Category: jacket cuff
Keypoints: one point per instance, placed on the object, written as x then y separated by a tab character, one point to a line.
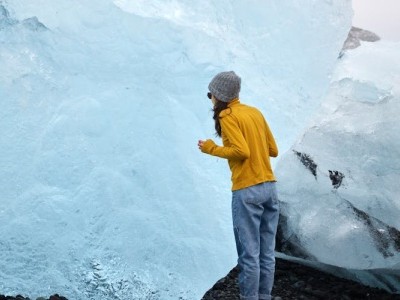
208	146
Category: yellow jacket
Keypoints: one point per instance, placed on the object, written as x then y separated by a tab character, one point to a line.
247	144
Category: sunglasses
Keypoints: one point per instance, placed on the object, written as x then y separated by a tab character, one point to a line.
209	95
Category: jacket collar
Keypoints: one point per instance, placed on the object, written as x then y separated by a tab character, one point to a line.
234	102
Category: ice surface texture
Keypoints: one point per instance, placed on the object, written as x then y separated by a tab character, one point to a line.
347	213
104	194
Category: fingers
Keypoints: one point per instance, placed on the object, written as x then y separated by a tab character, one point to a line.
200	144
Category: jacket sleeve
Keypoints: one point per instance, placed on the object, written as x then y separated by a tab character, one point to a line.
272	147
238	148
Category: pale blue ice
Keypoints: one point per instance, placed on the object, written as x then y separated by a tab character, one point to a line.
103	192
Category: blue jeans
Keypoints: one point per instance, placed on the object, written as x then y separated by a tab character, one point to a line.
255	214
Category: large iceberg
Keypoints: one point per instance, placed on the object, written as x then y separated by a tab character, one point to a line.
339	184
103	193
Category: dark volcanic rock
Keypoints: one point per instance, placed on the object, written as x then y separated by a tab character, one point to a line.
308	162
19	297
356	35
336	177
296	281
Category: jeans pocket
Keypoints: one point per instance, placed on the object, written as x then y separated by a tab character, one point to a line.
253	195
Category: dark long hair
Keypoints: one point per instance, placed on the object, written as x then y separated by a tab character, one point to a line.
218	107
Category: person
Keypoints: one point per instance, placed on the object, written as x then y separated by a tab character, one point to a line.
248	145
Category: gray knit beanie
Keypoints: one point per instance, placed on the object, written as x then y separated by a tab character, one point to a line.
225	86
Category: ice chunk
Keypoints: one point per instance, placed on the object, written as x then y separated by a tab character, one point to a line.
347	214
101	176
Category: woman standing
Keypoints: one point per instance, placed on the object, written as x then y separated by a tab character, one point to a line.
247	145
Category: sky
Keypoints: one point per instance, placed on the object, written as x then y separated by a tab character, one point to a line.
379	16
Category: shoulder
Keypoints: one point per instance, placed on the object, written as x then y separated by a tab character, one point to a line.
251	110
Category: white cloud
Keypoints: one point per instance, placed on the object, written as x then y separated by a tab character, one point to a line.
379	16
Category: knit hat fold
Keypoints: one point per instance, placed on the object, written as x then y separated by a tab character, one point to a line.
225	86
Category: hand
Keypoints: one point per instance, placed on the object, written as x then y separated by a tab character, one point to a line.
200	144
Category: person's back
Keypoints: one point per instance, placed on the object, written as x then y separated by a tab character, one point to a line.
259	143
